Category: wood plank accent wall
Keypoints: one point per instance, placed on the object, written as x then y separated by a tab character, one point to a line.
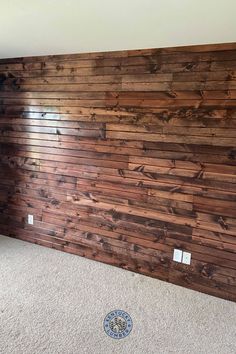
123	156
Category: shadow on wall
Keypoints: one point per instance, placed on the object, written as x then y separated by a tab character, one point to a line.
9	181
15	169
12	184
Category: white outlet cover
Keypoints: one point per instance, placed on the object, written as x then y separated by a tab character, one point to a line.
30	219
186	258
177	255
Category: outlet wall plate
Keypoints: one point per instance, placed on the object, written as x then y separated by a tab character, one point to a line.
186	259
177	255
30	219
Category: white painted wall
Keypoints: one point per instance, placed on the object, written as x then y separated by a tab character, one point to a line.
37	27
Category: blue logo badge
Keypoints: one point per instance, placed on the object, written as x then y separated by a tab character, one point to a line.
118	324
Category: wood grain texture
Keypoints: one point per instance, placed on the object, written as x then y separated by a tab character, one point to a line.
123	156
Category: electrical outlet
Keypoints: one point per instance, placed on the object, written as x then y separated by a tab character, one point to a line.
186	258
30	219
177	255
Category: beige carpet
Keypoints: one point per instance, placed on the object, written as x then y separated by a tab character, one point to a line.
52	302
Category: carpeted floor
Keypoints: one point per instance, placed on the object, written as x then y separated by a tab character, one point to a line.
52	302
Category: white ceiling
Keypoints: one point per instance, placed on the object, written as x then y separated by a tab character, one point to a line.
39	27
